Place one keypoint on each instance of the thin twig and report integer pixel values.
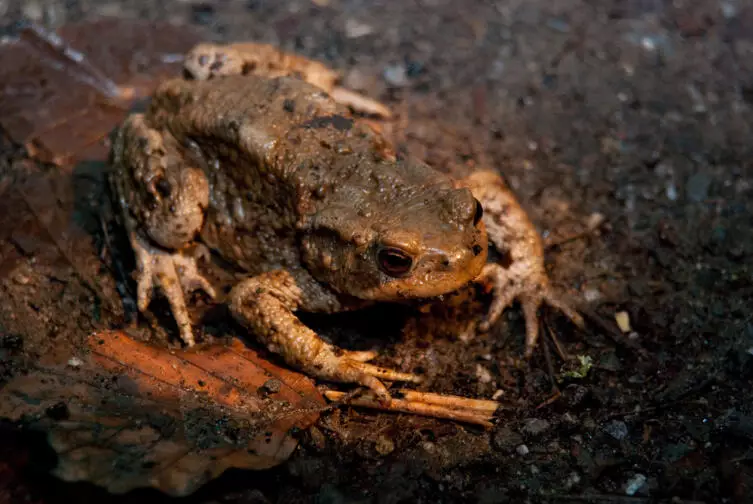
(451, 401)
(450, 407)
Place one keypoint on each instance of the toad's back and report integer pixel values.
(271, 149)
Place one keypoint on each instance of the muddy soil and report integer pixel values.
(633, 113)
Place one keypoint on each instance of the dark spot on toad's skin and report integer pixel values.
(505, 258)
(477, 249)
(248, 67)
(288, 105)
(163, 187)
(150, 200)
(337, 121)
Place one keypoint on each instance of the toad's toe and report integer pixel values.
(531, 294)
(371, 376)
(206, 61)
(360, 356)
(175, 275)
(190, 277)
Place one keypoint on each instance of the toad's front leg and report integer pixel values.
(520, 274)
(265, 304)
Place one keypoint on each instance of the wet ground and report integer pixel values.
(634, 114)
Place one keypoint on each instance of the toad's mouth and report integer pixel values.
(428, 281)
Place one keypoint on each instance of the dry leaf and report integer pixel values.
(125, 415)
(61, 108)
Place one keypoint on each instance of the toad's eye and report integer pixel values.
(479, 213)
(394, 262)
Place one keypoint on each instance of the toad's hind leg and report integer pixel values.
(520, 274)
(206, 61)
(265, 304)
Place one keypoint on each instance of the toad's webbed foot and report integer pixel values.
(520, 273)
(530, 292)
(175, 274)
(265, 304)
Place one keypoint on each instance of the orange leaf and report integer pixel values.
(164, 419)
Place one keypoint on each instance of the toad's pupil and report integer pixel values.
(394, 262)
(479, 213)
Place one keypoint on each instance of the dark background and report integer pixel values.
(634, 111)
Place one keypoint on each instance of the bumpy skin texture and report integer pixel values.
(277, 178)
(207, 61)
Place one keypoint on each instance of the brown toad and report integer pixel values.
(276, 177)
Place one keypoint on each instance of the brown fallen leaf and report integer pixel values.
(123, 414)
(61, 94)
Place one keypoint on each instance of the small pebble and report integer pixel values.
(648, 43)
(572, 480)
(506, 440)
(75, 362)
(534, 426)
(591, 295)
(617, 429)
(671, 192)
(634, 484)
(356, 29)
(568, 418)
(522, 450)
(623, 321)
(483, 374)
(499, 392)
(595, 220)
(396, 75)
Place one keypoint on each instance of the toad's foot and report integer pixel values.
(520, 273)
(265, 304)
(206, 61)
(175, 274)
(531, 293)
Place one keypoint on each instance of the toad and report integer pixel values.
(271, 172)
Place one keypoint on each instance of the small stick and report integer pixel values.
(450, 401)
(419, 408)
